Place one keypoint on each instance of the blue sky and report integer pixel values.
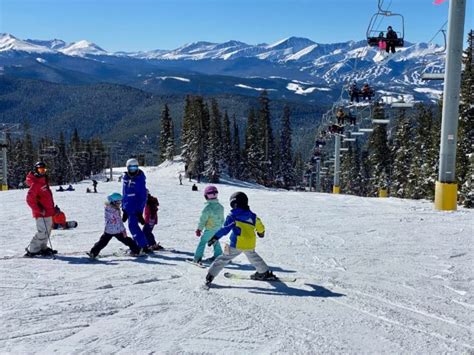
(131, 25)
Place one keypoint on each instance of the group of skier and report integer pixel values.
(138, 206)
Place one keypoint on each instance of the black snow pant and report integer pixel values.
(390, 47)
(105, 239)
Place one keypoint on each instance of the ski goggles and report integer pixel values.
(41, 170)
(212, 194)
(132, 168)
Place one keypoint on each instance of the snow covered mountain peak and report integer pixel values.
(9, 42)
(83, 48)
(296, 43)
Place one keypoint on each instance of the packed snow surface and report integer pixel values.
(373, 276)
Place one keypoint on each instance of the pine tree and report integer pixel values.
(234, 164)
(165, 133)
(401, 156)
(253, 155)
(299, 167)
(170, 146)
(286, 161)
(213, 146)
(265, 133)
(465, 152)
(226, 144)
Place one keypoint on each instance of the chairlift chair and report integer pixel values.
(373, 31)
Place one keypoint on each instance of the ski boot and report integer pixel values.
(209, 279)
(141, 252)
(267, 275)
(91, 255)
(48, 252)
(156, 247)
(29, 254)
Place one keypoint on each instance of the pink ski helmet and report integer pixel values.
(210, 192)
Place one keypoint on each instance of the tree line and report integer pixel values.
(66, 162)
(212, 143)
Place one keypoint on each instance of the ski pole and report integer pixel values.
(49, 239)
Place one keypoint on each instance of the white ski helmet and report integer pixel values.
(132, 162)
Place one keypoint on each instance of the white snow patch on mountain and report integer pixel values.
(41, 60)
(174, 77)
(299, 89)
(252, 88)
(83, 48)
(432, 92)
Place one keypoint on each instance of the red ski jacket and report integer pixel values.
(39, 196)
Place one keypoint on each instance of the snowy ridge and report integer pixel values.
(83, 48)
(361, 287)
(11, 43)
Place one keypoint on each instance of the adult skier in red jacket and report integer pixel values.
(40, 200)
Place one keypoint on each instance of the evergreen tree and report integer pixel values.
(234, 164)
(465, 153)
(286, 162)
(299, 167)
(170, 146)
(212, 171)
(265, 134)
(165, 133)
(401, 156)
(253, 155)
(226, 144)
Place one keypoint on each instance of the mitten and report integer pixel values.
(212, 241)
(140, 218)
(261, 235)
(198, 233)
(124, 216)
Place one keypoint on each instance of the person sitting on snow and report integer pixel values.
(59, 219)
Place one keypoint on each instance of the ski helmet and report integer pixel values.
(39, 169)
(114, 198)
(239, 200)
(210, 190)
(132, 165)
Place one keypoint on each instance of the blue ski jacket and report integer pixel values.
(243, 224)
(134, 192)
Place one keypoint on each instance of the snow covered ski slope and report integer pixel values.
(373, 276)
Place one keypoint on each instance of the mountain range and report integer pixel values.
(293, 68)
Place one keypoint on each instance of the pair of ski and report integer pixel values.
(235, 276)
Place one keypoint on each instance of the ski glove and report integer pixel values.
(124, 216)
(140, 218)
(212, 241)
(261, 235)
(198, 233)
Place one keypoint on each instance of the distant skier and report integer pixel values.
(340, 115)
(391, 39)
(243, 223)
(94, 184)
(69, 188)
(134, 200)
(366, 92)
(114, 228)
(212, 218)
(40, 200)
(194, 187)
(180, 177)
(151, 220)
(351, 117)
(354, 92)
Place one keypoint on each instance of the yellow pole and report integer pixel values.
(446, 196)
(336, 189)
(3, 187)
(383, 192)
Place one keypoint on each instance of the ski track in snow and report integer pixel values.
(373, 275)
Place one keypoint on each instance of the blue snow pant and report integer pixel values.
(198, 254)
(148, 231)
(136, 231)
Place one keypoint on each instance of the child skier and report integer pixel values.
(151, 220)
(243, 223)
(212, 217)
(114, 228)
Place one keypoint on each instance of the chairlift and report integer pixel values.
(432, 76)
(440, 75)
(402, 105)
(380, 121)
(375, 34)
(348, 140)
(357, 133)
(344, 149)
(366, 130)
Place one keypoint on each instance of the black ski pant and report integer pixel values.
(105, 239)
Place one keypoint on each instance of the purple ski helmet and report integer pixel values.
(210, 192)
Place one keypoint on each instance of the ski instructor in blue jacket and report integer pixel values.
(134, 200)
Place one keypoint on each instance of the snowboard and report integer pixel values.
(233, 276)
